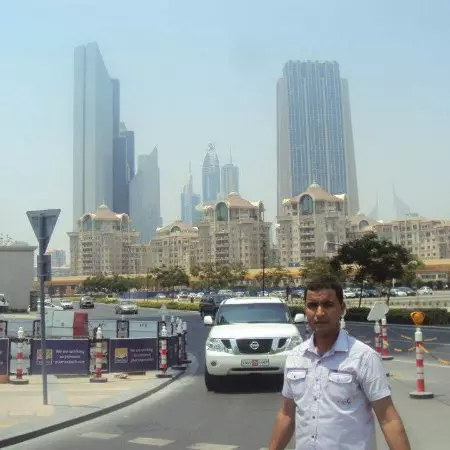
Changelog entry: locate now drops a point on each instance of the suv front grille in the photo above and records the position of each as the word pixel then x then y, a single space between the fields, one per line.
pixel 254 346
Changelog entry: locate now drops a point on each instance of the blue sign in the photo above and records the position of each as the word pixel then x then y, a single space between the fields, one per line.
pixel 133 355
pixel 64 356
pixel 4 356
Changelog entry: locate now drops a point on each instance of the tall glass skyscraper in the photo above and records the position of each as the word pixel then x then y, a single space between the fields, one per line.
pixel 314 140
pixel 189 201
pixel 229 178
pixel 92 132
pixel 211 175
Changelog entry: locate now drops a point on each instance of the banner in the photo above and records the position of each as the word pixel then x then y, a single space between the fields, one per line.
pixel 172 351
pixel 133 355
pixel 4 356
pixel 64 356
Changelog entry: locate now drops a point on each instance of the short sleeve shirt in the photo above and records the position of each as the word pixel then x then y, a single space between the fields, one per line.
pixel 333 394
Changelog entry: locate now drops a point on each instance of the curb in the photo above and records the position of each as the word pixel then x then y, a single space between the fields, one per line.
pixel 84 418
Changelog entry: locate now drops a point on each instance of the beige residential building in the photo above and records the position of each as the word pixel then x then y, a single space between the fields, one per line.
pixel 174 245
pixel 425 238
pixel 105 243
pixel 234 231
pixel 313 224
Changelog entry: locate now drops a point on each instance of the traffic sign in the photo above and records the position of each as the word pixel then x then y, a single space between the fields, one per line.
pixel 378 311
pixel 43 223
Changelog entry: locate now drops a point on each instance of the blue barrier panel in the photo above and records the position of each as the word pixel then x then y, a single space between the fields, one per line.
pixel 133 355
pixel 4 356
pixel 64 356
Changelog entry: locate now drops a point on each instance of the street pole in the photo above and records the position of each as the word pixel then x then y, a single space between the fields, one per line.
pixel 42 293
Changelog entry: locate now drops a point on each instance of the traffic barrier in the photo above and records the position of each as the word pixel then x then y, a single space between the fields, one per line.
pixel 3 328
pixel 163 354
pixel 19 360
pixel 98 378
pixel 172 325
pixel 80 324
pixel 185 354
pixel 378 338
pixel 420 392
pixel 37 328
pixel 180 355
pixel 385 354
pixel 123 328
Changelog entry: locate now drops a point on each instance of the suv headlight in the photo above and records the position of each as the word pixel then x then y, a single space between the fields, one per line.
pixel 216 345
pixel 293 342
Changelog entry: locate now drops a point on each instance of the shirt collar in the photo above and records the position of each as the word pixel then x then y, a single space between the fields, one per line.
pixel 340 345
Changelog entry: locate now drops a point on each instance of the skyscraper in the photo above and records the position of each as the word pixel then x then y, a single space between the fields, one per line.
pixel 314 140
pixel 229 178
pixel 123 169
pixel 145 201
pixel 92 132
pixel 189 201
pixel 211 175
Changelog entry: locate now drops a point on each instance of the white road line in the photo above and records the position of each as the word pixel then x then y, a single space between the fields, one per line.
pixel 96 435
pixel 426 364
pixel 151 442
pixel 206 446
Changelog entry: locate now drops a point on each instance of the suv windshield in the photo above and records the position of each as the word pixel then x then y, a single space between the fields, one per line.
pixel 253 313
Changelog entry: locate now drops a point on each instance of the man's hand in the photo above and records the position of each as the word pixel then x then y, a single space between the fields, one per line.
pixel 391 424
pixel 283 428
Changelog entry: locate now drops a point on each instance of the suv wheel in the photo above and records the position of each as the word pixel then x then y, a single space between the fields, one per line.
pixel 212 381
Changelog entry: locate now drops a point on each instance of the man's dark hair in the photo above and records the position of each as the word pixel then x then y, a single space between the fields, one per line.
pixel 326 282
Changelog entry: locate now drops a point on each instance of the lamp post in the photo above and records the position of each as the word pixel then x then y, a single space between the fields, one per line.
pixel 264 267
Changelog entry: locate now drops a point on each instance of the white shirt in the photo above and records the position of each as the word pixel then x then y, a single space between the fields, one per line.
pixel 333 393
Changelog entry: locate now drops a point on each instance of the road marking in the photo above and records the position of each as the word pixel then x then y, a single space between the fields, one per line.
pixel 414 362
pixel 96 435
pixel 206 446
pixel 151 441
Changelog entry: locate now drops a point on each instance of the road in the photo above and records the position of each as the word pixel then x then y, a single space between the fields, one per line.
pixel 186 416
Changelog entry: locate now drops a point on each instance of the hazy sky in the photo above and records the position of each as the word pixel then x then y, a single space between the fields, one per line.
pixel 194 71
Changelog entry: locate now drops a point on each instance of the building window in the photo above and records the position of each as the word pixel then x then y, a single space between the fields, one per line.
pixel 221 212
pixel 306 205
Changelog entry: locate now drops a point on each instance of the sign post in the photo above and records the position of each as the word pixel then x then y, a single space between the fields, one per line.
pixel 43 223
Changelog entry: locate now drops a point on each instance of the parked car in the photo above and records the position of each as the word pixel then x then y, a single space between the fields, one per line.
pixel 66 304
pixel 425 290
pixel 249 336
pixel 126 307
pixel 87 302
pixel 210 303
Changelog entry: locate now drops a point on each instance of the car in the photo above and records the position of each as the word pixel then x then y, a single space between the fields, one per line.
pixel 425 290
pixel 249 335
pixel 209 304
pixel 126 307
pixel 66 304
pixel 86 302
pixel 50 307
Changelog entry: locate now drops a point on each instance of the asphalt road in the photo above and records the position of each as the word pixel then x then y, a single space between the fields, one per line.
pixel 186 416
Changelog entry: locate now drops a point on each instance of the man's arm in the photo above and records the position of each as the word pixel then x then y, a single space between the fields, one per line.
pixel 391 424
pixel 284 426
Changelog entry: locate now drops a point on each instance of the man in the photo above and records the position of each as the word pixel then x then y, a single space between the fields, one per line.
pixel 332 383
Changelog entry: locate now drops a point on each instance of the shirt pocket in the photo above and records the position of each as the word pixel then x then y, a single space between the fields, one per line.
pixel 296 379
pixel 341 387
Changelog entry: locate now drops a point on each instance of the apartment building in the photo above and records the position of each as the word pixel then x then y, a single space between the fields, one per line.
pixel 234 231
pixel 105 243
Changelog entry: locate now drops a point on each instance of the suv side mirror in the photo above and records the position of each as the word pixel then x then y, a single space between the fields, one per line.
pixel 299 318
pixel 208 320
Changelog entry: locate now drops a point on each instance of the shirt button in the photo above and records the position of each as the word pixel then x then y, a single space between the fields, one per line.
pixel 317 379
pixel 315 398
pixel 314 417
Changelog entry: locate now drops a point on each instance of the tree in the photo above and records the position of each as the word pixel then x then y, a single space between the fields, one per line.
pixel 273 276
pixel 373 259
pixel 216 275
pixel 320 266
pixel 409 277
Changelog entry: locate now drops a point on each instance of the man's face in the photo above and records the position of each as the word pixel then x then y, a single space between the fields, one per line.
pixel 323 311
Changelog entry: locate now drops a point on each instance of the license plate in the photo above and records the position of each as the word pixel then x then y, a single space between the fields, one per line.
pixel 254 362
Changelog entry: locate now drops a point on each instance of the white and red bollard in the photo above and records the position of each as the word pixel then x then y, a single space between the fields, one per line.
pixel 172 325
pixel 19 359
pixel 3 326
pixel 163 354
pixel 180 353
pixel 185 353
pixel 385 353
pixel 121 332
pixel 378 347
pixel 98 378
pixel 420 392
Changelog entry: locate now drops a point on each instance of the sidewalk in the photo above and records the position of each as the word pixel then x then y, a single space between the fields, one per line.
pixel 71 400
pixel 426 421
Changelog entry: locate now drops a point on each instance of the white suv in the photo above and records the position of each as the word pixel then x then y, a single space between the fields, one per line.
pixel 249 336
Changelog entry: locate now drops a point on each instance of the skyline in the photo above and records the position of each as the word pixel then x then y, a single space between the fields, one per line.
pixel 393 56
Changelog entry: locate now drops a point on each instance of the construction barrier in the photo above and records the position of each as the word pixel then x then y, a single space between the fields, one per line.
pixel 3 329
pixel 98 377
pixel 378 342
pixel 385 353
pixel 420 392
pixel 163 364
pixel 19 360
